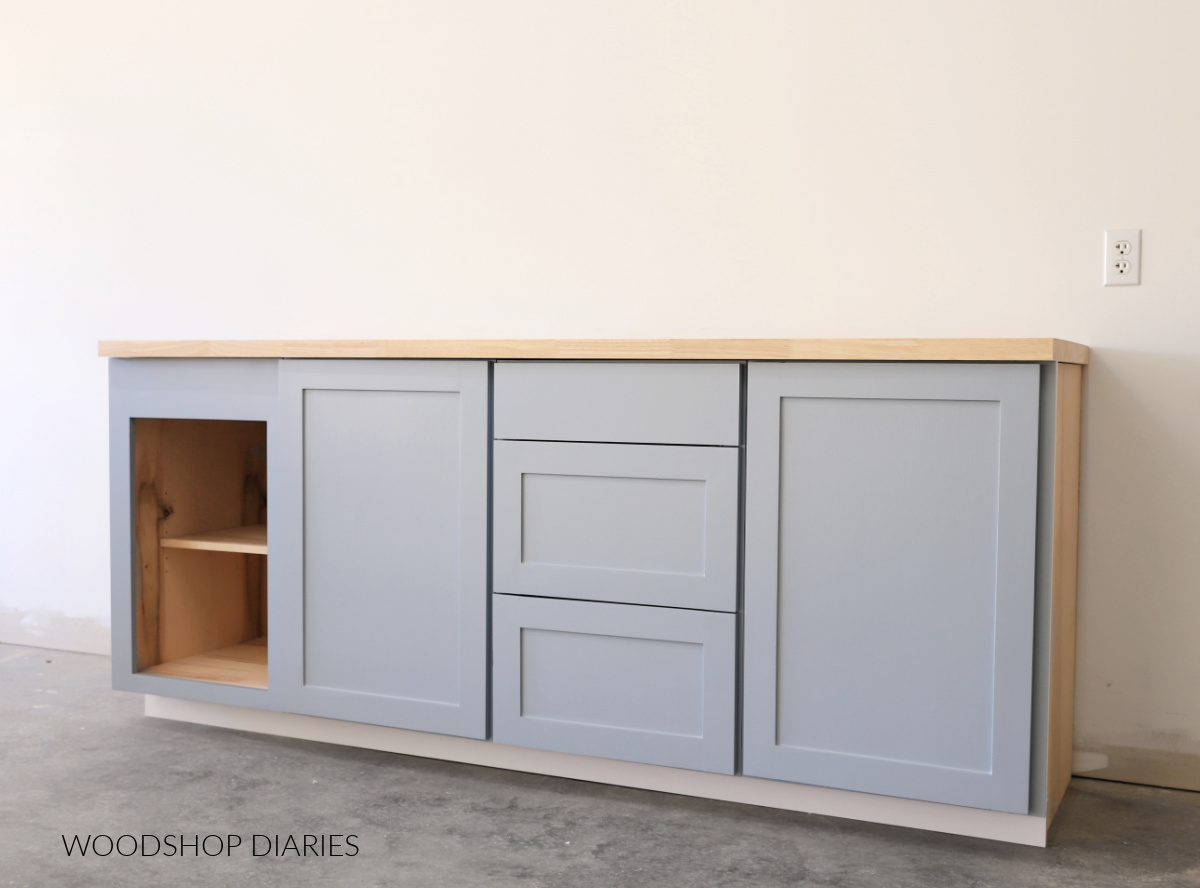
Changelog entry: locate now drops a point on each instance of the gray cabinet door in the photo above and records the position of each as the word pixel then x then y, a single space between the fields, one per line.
pixel 629 523
pixel 641 684
pixel 890 522
pixel 383 508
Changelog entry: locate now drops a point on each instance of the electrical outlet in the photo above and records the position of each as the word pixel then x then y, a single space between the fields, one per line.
pixel 1123 257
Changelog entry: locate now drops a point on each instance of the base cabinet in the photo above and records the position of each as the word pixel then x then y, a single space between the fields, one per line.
pixel 846 576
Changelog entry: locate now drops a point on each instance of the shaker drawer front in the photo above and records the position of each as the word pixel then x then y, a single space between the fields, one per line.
pixel 618 402
pixel 640 684
pixel 616 522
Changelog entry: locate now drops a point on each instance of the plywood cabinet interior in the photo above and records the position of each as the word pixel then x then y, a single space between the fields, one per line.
pixel 200 504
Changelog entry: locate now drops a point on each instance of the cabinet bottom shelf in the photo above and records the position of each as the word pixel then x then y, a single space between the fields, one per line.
pixel 244 665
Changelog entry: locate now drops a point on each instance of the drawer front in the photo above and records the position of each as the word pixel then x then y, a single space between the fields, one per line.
pixel 640 684
pixel 616 522
pixel 618 403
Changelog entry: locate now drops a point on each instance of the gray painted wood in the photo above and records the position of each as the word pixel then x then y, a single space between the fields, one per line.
pixel 637 524
pixel 890 539
pixel 383 557
pixel 1043 600
pixel 640 684
pixel 227 388
pixel 618 402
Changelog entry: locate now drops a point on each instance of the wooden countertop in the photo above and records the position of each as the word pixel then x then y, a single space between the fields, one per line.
pixel 619 349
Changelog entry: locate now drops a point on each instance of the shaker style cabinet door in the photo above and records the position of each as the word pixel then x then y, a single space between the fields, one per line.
pixel 890 521
pixel 383 506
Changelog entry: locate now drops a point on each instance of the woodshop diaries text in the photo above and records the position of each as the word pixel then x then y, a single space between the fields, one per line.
pixel 102 845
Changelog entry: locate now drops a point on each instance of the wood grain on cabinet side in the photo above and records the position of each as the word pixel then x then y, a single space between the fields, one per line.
pixel 147 437
pixel 1043 349
pixel 1068 410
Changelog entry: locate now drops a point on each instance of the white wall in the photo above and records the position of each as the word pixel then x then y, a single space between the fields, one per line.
pixel 628 168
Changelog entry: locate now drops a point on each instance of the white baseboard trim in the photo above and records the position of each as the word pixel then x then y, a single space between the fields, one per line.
pixel 1015 828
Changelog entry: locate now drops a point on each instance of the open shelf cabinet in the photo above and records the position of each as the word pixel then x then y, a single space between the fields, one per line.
pixel 200 513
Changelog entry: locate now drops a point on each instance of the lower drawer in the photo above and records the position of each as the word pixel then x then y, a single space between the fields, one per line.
pixel 641 684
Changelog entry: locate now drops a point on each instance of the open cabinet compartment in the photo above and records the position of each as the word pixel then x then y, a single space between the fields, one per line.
pixel 200 512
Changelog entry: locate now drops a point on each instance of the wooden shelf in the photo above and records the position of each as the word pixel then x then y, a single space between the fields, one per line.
pixel 251 539
pixel 244 665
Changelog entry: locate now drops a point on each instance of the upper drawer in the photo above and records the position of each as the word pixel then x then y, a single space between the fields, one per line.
pixel 618 403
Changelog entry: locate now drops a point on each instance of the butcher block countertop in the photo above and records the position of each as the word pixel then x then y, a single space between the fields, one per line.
pixel 613 349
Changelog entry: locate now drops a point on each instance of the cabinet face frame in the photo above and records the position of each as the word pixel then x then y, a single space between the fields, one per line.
pixel 1004 785
pixel 194 389
pixel 469 381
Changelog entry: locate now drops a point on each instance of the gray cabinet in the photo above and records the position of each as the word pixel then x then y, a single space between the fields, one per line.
pixel 641 684
pixel 629 523
pixel 890 539
pixel 882 557
pixel 382 503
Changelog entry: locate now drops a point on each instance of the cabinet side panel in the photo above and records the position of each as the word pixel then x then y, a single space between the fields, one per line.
pixel 1068 419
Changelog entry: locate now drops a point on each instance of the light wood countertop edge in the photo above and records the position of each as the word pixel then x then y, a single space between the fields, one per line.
pixel 614 349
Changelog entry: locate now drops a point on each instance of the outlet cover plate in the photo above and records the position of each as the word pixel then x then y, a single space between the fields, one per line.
pixel 1123 257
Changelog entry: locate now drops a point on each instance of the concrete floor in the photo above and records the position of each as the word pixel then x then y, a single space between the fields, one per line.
pixel 79 758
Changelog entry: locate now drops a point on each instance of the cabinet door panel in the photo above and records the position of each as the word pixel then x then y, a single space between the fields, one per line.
pixel 389 590
pixel 642 684
pixel 889 586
